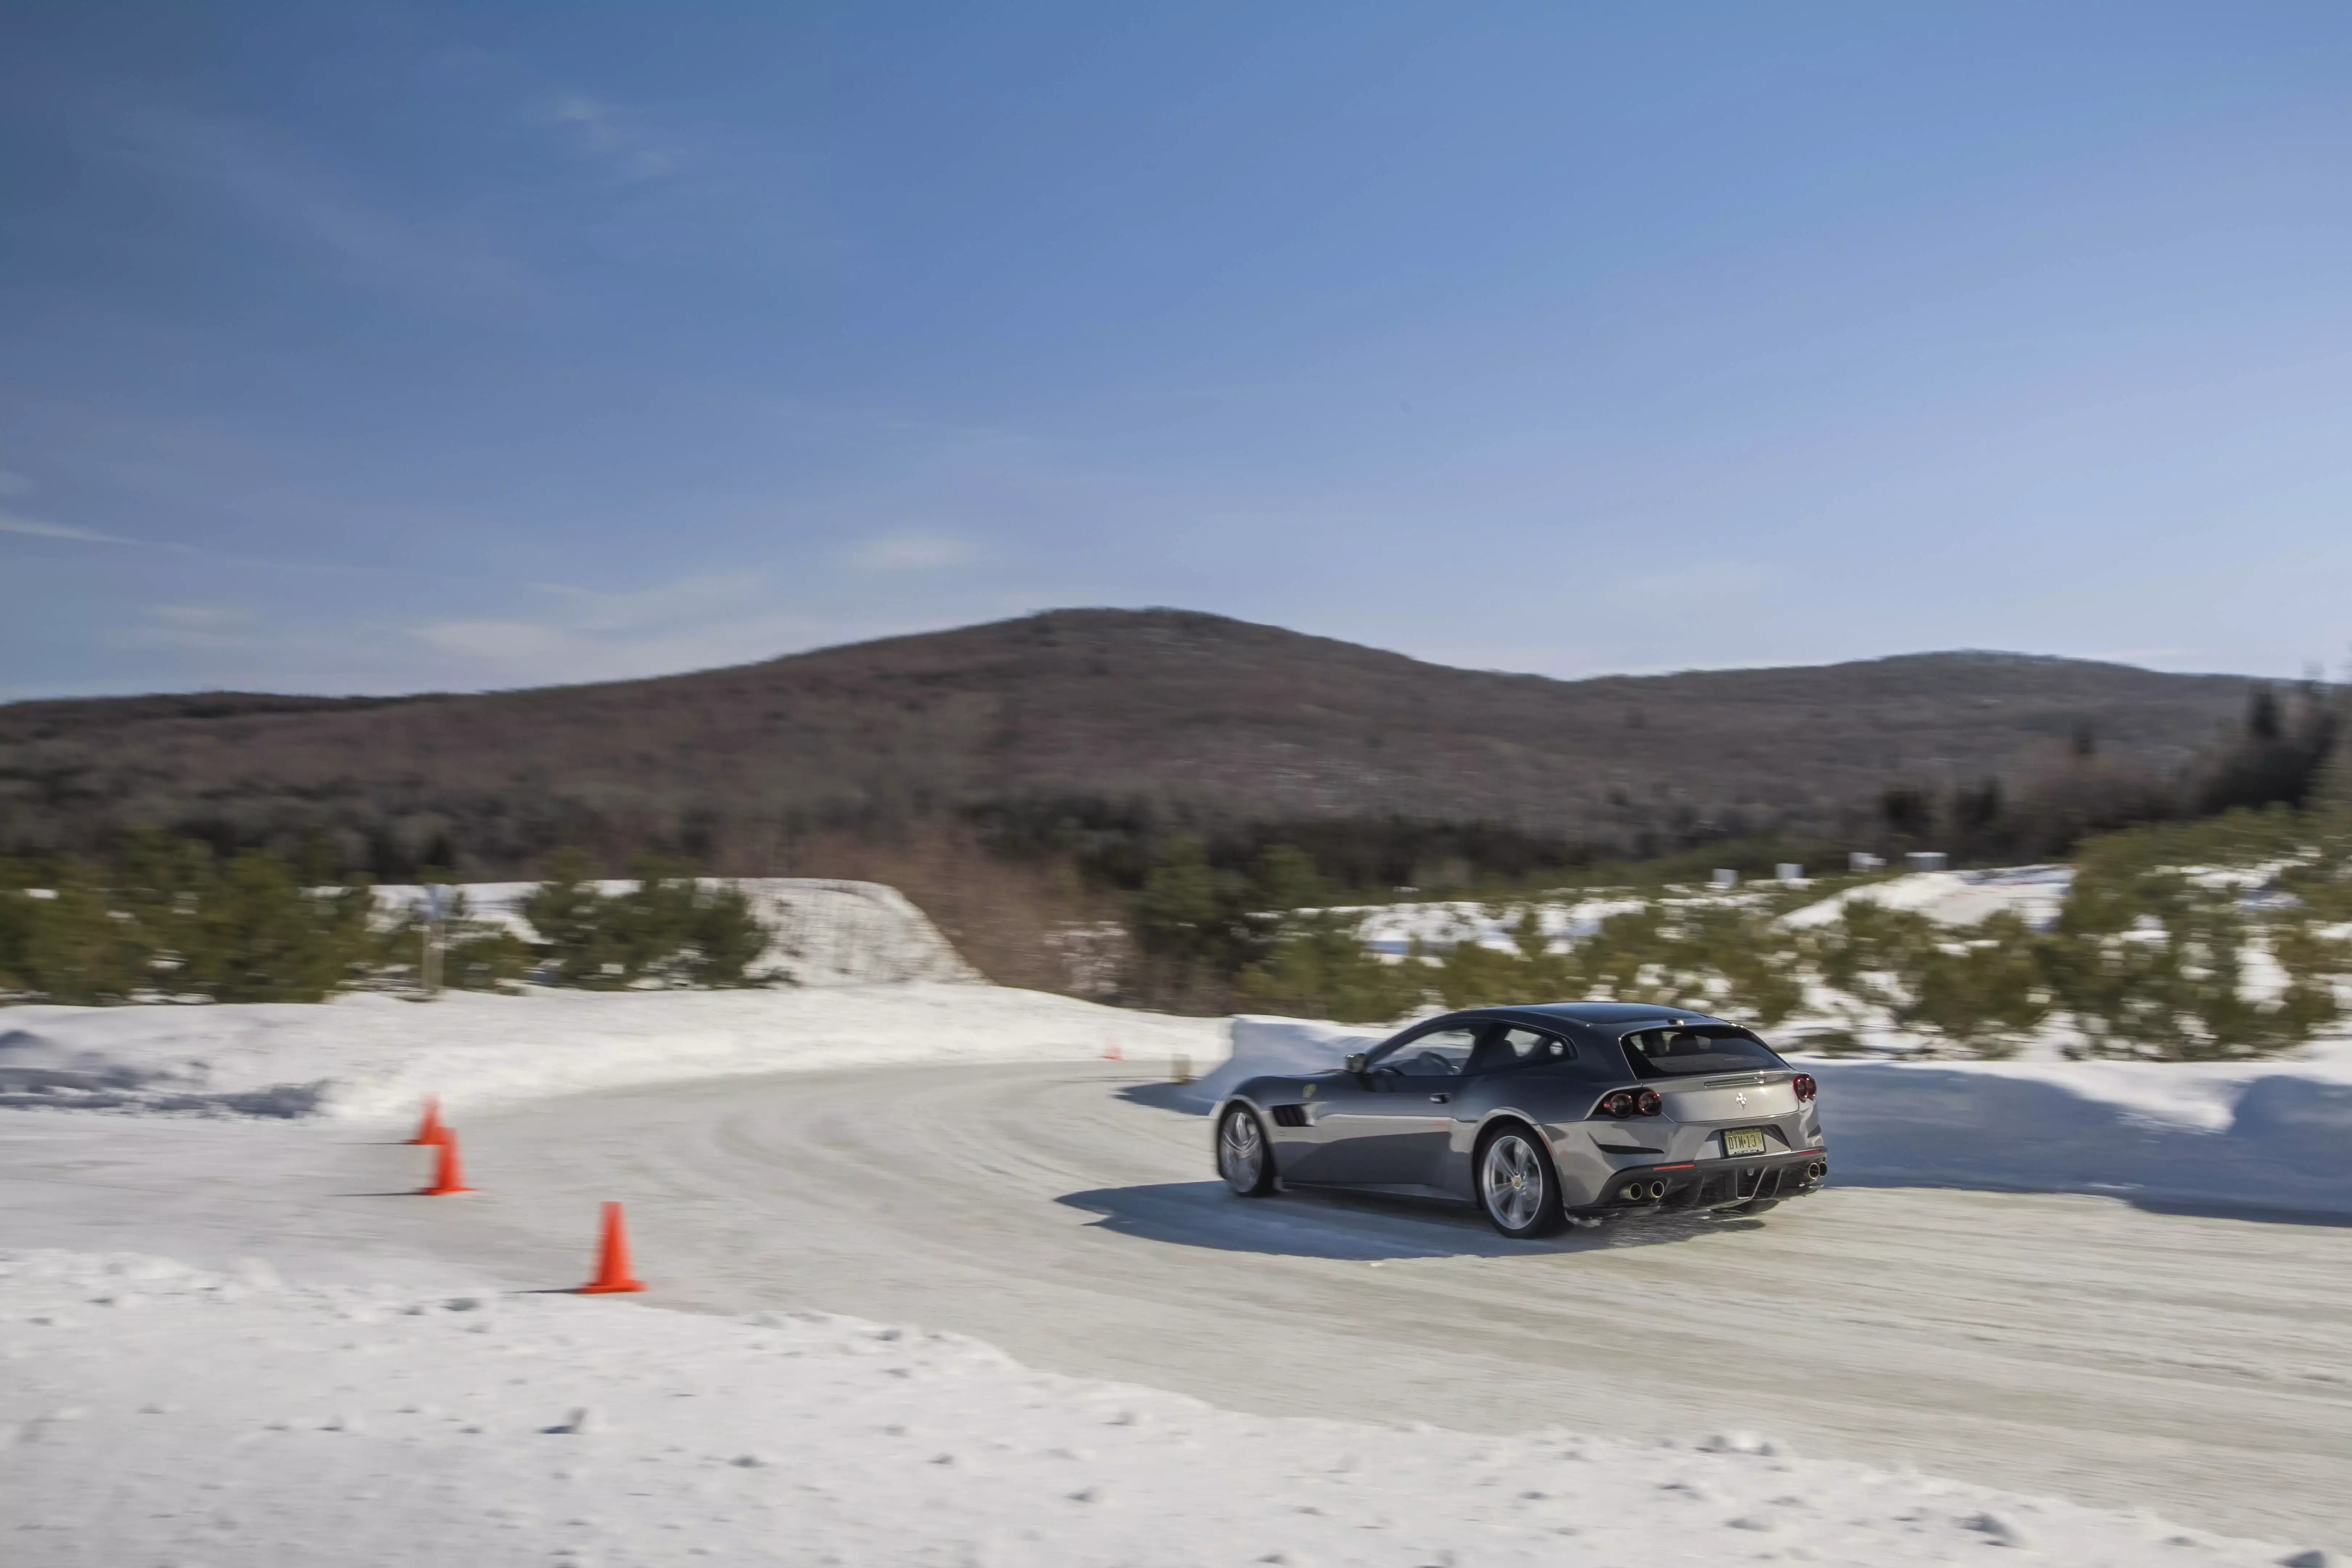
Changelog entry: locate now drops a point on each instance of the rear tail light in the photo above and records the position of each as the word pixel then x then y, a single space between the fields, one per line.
pixel 1805 1086
pixel 1618 1104
pixel 1647 1103
pixel 1630 1102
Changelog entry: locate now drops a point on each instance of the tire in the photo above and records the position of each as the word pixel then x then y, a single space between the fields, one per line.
pixel 1244 1158
pixel 1519 1191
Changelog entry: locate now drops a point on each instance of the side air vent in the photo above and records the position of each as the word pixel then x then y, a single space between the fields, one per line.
pixel 1290 1116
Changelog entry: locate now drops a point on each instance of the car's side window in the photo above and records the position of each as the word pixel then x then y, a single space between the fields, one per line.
pixel 1441 1054
pixel 1516 1047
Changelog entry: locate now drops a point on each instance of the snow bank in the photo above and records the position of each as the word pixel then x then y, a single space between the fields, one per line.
pixel 1955 898
pixel 1261 1045
pixel 1393 929
pixel 162 1415
pixel 2236 1136
pixel 1948 898
pixel 371 1057
pixel 823 932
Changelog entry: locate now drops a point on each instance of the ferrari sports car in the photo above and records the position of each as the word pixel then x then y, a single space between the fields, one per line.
pixel 1543 1116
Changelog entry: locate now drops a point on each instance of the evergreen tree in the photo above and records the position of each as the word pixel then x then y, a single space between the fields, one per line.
pixel 258 936
pixel 1179 912
pixel 1287 880
pixel 475 954
pixel 2332 789
pixel 667 929
pixel 1986 990
pixel 724 939
pixel 74 950
pixel 1319 967
pixel 16 916
pixel 578 937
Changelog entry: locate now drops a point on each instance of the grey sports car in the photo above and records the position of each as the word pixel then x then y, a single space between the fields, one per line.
pixel 1540 1115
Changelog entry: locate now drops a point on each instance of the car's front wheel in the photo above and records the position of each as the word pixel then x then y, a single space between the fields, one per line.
pixel 1243 1159
pixel 1516 1186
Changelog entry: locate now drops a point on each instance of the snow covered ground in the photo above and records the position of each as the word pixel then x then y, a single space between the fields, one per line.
pixel 2250 1135
pixel 2246 1137
pixel 1393 929
pixel 781 1166
pixel 1948 898
pixel 162 1415
pixel 365 1056
pixel 823 932
pixel 1956 897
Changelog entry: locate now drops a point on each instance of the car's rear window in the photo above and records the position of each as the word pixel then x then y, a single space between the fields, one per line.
pixel 1689 1048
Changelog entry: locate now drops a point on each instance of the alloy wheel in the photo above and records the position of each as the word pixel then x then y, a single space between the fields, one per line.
pixel 1241 1151
pixel 1513 1180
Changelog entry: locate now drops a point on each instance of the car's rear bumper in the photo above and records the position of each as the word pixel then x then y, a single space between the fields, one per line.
pixel 1713 1183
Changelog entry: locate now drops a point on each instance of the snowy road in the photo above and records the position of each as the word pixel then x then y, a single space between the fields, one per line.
pixel 2063 1345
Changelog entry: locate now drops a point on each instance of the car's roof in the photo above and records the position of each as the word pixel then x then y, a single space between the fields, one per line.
pixel 1598 1015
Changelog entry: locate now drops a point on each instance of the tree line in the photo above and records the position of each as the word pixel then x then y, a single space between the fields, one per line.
pixel 171 919
pixel 1203 912
pixel 2150 956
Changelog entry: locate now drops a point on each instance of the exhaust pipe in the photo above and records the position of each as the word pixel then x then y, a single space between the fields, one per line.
pixel 1658 1190
pixel 1631 1192
pixel 1817 1170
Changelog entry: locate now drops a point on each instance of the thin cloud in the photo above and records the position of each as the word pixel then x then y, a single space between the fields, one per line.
pixel 32 528
pixel 1702 584
pixel 682 602
pixel 283 190
pixel 201 617
pixel 15 484
pixel 589 634
pixel 519 652
pixel 911 553
pixel 615 139
pixel 197 626
pixel 512 644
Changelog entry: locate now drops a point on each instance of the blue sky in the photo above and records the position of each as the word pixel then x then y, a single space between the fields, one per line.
pixel 381 347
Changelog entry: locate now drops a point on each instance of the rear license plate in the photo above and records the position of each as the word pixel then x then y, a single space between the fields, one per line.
pixel 1743 1140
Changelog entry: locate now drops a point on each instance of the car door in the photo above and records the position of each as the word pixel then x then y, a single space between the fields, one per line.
pixel 1387 1126
pixel 1494 1078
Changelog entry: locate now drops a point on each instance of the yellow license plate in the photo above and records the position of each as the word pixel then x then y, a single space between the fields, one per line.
pixel 1743 1140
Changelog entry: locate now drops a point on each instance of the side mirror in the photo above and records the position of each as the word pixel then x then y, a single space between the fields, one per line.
pixel 1357 1061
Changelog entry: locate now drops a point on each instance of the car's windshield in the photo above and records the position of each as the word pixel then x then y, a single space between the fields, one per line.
pixel 1690 1048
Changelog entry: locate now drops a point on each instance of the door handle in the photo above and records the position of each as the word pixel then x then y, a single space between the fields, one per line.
pixel 1439 1099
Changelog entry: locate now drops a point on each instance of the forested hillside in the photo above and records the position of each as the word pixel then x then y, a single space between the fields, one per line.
pixel 1185 719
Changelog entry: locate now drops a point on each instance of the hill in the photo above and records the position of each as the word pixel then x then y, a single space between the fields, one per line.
pixel 1084 718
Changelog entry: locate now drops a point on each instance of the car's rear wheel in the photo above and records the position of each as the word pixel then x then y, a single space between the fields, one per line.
pixel 1242 1158
pixel 1518 1188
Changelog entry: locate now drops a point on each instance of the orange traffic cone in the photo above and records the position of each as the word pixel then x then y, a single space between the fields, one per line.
pixel 429 1130
pixel 447 1177
pixel 613 1274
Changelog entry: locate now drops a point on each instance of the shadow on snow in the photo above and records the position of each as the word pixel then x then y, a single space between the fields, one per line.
pixel 1353 1227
